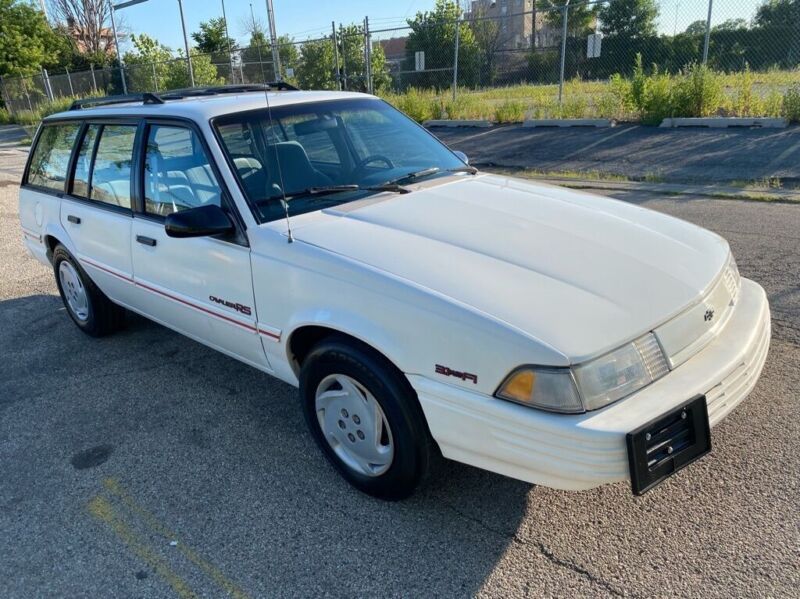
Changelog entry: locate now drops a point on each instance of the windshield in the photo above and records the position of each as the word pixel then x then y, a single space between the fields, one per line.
pixel 327 153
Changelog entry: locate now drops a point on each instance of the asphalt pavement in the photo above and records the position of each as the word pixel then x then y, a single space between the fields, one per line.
pixel 146 465
pixel 692 155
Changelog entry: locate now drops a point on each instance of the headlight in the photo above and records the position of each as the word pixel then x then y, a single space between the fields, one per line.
pixel 608 378
pixel 546 388
pixel 588 386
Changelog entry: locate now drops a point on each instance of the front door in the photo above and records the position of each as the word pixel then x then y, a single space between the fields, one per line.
pixel 199 286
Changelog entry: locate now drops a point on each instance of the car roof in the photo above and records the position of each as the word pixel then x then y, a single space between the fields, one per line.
pixel 204 108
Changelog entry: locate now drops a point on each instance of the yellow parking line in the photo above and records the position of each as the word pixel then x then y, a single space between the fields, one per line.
pixel 115 488
pixel 100 508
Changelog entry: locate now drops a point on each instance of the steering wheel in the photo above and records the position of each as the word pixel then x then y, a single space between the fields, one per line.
pixel 362 165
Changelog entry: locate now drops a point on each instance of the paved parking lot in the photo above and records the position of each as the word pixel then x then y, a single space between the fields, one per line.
pixel 147 465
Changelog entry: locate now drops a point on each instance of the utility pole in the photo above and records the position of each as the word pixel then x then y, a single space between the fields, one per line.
pixel 708 32
pixel 116 48
pixel 186 45
pixel 273 41
pixel 228 39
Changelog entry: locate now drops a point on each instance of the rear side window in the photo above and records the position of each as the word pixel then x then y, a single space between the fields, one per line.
pixel 111 172
pixel 83 165
pixel 50 160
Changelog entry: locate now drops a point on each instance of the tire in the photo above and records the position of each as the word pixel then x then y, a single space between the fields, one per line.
pixel 97 316
pixel 337 360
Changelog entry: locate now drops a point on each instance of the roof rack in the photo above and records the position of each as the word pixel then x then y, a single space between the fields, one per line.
pixel 178 94
pixel 145 98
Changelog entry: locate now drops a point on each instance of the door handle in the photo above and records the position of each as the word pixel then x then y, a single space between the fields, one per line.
pixel 74 219
pixel 146 240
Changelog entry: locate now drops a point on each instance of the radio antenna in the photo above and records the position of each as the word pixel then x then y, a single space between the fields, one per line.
pixel 290 239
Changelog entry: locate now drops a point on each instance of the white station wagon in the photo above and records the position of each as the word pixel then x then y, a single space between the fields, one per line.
pixel 423 308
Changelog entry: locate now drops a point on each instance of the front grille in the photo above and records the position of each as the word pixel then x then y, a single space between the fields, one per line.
pixel 730 282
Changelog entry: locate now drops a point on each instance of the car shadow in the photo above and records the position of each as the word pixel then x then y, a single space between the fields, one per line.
pixel 219 453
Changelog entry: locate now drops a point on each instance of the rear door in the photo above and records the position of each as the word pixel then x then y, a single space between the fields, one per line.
pixel 199 286
pixel 97 212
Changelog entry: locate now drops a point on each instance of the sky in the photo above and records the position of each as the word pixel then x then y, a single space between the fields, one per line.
pixel 303 19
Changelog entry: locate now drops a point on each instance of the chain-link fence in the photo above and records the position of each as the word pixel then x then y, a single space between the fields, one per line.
pixel 538 58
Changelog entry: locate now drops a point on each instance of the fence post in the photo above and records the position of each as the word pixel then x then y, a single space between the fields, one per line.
pixel 344 58
pixel 708 32
pixel 564 17
pixel 3 96
pixel 94 80
pixel 455 59
pixel 46 81
pixel 337 79
pixel 69 80
pixel 367 55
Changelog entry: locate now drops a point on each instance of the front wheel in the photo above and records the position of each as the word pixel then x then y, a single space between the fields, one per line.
pixel 365 417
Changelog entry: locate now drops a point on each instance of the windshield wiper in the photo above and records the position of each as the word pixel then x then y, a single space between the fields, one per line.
pixel 333 189
pixel 463 169
pixel 426 172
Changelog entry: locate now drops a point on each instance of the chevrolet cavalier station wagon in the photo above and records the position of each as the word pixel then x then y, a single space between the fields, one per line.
pixel 422 307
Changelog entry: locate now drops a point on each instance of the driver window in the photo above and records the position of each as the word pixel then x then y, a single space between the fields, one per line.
pixel 177 173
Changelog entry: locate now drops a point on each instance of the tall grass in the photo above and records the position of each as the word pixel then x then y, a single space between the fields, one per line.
pixel 645 97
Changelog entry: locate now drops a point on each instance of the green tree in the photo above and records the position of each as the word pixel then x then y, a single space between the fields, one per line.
pixel 205 73
pixel 629 19
pixel 696 28
pixel 434 33
pixel 731 25
pixel 581 16
pixel 316 68
pixel 147 64
pixel 211 38
pixel 490 40
pixel 26 40
pixel 778 13
pixel 778 22
pixel 151 67
pixel 316 65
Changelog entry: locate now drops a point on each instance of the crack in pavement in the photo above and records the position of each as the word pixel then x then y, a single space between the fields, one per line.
pixel 543 550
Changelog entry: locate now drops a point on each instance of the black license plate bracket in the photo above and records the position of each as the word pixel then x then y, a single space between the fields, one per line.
pixel 665 445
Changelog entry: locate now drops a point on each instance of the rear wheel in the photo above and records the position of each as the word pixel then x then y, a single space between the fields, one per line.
pixel 87 306
pixel 365 417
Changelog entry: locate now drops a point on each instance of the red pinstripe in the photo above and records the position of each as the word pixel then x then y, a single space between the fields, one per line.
pixel 248 327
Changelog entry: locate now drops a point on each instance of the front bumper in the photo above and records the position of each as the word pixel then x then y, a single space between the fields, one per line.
pixel 587 450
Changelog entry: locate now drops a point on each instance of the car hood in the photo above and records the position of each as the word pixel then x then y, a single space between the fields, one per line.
pixel 579 272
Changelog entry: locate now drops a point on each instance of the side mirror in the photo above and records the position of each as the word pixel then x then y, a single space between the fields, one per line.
pixel 461 156
pixel 198 222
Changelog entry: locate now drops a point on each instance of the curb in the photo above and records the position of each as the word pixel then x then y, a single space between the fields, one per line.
pixel 725 122
pixel 679 189
pixel 456 123
pixel 569 123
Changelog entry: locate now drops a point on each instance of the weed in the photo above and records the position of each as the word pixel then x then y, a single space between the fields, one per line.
pixel 510 111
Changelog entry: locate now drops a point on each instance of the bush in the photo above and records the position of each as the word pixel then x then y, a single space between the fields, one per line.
pixel 698 92
pixel 5 118
pixel 791 104
pixel 419 105
pixel 511 111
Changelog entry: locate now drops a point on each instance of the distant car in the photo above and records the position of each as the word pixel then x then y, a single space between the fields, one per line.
pixel 422 307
